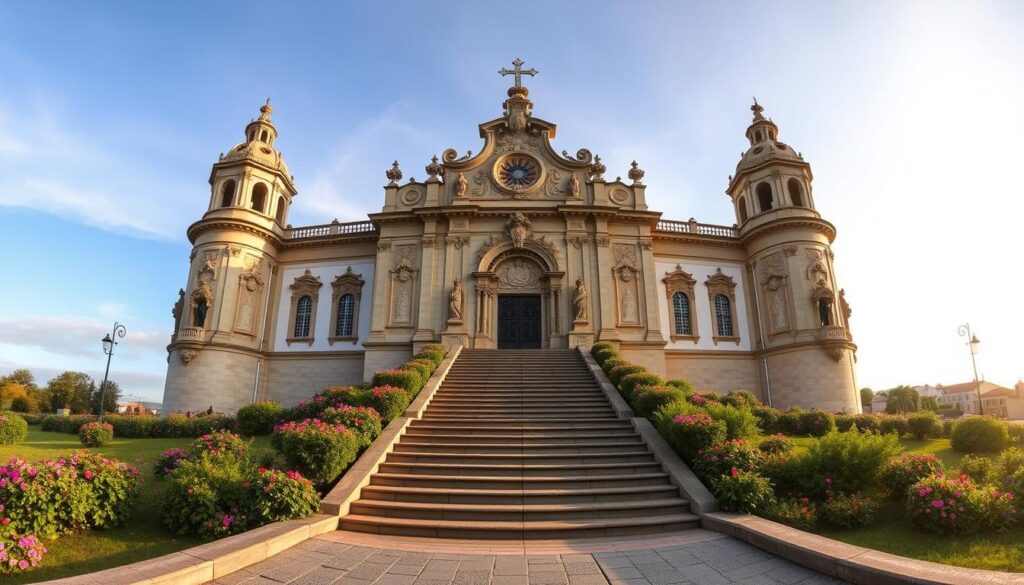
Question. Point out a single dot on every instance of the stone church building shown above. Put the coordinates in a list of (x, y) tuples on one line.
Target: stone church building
[(513, 246)]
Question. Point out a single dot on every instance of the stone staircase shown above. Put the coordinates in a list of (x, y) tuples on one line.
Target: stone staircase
[(519, 444)]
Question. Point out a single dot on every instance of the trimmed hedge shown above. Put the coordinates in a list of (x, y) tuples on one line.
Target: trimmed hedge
[(144, 426), (616, 374), (630, 382), (259, 418), (13, 428), (980, 434)]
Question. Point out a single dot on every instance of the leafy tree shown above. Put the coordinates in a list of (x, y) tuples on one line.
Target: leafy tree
[(902, 399), (930, 403), (20, 376), (70, 390), (866, 395), (110, 398), (9, 392)]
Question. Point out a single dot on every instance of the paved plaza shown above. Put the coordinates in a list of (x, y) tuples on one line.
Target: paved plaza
[(698, 557)]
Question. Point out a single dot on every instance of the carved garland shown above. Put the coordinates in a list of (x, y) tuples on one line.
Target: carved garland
[(680, 281), (720, 284), (346, 284), (305, 285)]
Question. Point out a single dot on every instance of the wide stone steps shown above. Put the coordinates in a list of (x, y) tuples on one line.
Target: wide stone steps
[(519, 444)]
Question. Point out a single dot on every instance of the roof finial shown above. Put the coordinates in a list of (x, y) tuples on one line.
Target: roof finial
[(518, 72), (757, 109), (265, 111)]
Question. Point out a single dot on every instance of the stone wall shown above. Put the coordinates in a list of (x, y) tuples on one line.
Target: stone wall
[(221, 378), (290, 379), (808, 377), (716, 372)]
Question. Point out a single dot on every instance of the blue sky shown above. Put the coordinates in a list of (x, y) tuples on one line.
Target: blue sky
[(909, 113)]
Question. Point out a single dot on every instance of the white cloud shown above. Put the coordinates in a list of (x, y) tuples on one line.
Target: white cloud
[(79, 337)]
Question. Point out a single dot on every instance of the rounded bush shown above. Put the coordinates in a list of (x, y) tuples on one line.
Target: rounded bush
[(604, 353), (406, 379), (424, 366), (980, 434), (207, 499), (433, 352), (317, 450), (817, 423), (948, 425), (218, 445), (389, 401), (744, 492), (168, 461), (999, 509), (791, 423), (365, 421), (648, 400), (800, 513), (977, 467), (683, 385), (776, 445), (612, 363), (13, 428), (617, 373), (767, 418), (599, 346), (258, 418), (1009, 463), (906, 470), (848, 511), (96, 434), (22, 553), (280, 495), (845, 422), (924, 424), (844, 463), (630, 382), (133, 427), (866, 422), (690, 433), (740, 398), (895, 424), (721, 458), (740, 423), (944, 505)]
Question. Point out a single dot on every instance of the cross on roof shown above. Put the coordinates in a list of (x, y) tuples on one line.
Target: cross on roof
[(518, 71)]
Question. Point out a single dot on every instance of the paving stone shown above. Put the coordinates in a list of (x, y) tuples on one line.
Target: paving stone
[(346, 580), (680, 558), (758, 568), (758, 580), (702, 574), (439, 564), (325, 546), (472, 577), (287, 571), (510, 566), (577, 558), (319, 576), (790, 573), (369, 571), (421, 581), (548, 578), (590, 568), (445, 576), (619, 573), (234, 578), (615, 562), (637, 581), (597, 579), (510, 580), (393, 579), (401, 568), (543, 559)]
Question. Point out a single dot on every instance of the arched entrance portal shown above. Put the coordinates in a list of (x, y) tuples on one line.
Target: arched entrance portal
[(517, 301)]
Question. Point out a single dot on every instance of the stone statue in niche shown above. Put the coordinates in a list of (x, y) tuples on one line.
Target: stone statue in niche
[(455, 302), (574, 186), (816, 270), (579, 300), (461, 185), (518, 228), (178, 308)]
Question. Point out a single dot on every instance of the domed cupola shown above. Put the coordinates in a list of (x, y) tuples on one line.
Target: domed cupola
[(770, 174), (252, 175)]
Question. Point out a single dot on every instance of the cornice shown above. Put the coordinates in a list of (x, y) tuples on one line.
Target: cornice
[(239, 225), (814, 224)]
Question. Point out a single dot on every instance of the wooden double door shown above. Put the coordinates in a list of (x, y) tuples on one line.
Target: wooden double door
[(519, 322)]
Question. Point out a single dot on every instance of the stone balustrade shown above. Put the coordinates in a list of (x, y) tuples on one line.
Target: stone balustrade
[(692, 227), (330, 229), (833, 332), (191, 334)]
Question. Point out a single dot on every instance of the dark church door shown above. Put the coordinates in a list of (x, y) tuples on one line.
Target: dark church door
[(518, 321)]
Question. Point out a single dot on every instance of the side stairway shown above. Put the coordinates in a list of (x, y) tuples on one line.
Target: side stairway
[(519, 444)]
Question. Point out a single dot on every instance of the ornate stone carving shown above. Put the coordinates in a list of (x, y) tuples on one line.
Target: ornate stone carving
[(427, 242), (433, 170), (518, 228), (625, 255), (817, 272), (646, 243), (461, 185), (636, 174), (187, 355), (457, 241), (411, 197), (575, 241), (482, 184), (384, 246), (249, 284), (790, 250), (208, 269), (602, 241), (403, 280), (515, 141), (582, 155), (579, 301), (404, 257), (519, 273), (543, 242), (774, 280), (306, 285), (232, 250), (394, 174), (845, 306), (552, 184), (721, 284), (597, 169), (574, 186), (455, 303), (486, 247)]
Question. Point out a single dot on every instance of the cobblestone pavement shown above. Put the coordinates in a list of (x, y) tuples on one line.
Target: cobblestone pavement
[(334, 560)]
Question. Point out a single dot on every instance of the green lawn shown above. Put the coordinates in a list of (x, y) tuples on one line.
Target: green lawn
[(892, 533), (143, 538)]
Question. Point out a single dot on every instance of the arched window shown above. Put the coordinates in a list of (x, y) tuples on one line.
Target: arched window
[(263, 136), (227, 194), (723, 315), (758, 136), (796, 192), (199, 318), (279, 214), (303, 311), (764, 196), (825, 312), (742, 204), (346, 316), (681, 312), (259, 197)]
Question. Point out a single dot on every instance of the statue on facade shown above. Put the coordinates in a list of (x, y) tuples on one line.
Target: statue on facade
[(518, 228), (179, 306), (455, 302), (574, 186), (579, 301), (461, 185)]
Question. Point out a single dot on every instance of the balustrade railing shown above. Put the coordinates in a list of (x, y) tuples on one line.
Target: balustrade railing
[(191, 334), (330, 229), (692, 227), (834, 332)]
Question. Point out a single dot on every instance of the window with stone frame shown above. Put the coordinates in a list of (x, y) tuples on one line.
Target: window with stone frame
[(302, 315), (722, 296), (679, 286), (348, 290)]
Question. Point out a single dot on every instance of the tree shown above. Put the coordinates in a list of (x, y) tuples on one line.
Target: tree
[(902, 399), (9, 392), (929, 403), (110, 398), (20, 376), (70, 389), (866, 395)]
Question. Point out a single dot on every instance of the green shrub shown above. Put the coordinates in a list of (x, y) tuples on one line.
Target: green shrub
[(800, 513), (13, 428), (617, 373), (740, 398), (612, 363), (845, 422), (866, 422), (604, 353), (134, 426), (740, 423), (218, 445), (689, 433), (168, 461), (66, 424), (207, 499), (317, 450), (600, 346), (744, 492), (999, 510), (406, 379), (776, 445), (1015, 431), (817, 423), (720, 459), (893, 423), (924, 424), (785, 473), (1006, 467), (629, 382), (280, 495), (844, 462), (390, 402), (702, 399), (848, 511), (767, 419), (365, 421), (648, 400), (34, 419), (684, 386), (96, 434), (977, 467), (948, 425), (980, 434), (423, 366), (433, 352), (21, 553), (790, 422), (906, 470), (944, 505), (258, 418)]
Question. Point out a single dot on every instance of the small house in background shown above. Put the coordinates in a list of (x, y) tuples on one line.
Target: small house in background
[(137, 407), (996, 400)]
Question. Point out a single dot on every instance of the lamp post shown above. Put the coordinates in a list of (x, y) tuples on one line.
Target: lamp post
[(108, 348), (965, 331)]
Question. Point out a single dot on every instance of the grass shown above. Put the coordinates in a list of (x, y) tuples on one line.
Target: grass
[(892, 533), (93, 550)]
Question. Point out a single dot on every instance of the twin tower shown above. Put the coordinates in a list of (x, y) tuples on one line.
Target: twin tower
[(516, 246)]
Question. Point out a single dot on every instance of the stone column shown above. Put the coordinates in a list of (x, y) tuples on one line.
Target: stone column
[(650, 290), (605, 293), (428, 283)]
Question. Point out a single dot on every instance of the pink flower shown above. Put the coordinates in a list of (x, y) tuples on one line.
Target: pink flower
[(88, 474), (938, 503)]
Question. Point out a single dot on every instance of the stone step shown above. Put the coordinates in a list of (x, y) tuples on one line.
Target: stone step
[(513, 494), (605, 456), (552, 482), (455, 449), (484, 529), (563, 417), (549, 438), (518, 411), (552, 398), (462, 425), (516, 470), (520, 512)]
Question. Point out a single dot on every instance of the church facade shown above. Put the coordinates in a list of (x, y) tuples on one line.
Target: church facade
[(515, 246)]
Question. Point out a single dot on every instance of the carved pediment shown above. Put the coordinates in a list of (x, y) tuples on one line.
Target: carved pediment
[(307, 284)]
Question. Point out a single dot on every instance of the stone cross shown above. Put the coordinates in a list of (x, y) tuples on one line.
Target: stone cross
[(518, 71)]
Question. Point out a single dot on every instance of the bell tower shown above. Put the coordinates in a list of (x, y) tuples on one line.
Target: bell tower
[(220, 319), (804, 340)]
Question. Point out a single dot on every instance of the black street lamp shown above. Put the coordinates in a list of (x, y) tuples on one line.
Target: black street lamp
[(108, 348), (965, 331)]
